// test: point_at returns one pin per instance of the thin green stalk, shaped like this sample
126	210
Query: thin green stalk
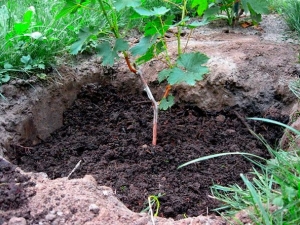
179	28
162	38
113	26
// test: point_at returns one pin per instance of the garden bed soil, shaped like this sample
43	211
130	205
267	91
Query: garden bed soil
111	135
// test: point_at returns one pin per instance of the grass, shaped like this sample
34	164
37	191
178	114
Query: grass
271	194
290	9
33	38
291	13
276	5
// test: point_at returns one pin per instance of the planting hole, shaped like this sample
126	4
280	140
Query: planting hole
111	134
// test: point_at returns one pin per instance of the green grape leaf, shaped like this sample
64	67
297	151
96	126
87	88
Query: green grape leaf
4	78
121	4
147	56
155	26
164	74
121	45
145	43
189	69
180	76
151	53
192	61
167	102
83	35
108	53
154	12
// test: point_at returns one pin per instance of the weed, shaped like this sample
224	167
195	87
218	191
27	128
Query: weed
153	202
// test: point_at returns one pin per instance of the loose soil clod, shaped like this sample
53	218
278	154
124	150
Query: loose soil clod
112	136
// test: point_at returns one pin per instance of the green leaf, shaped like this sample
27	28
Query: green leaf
121	45
109	53
26	59
196	24
255	17
188	70
211	12
70	7
41	66
147	56
192	61
154	50
5	78
154	12
154	26
28	67
121	4
27	17
21	28
83	35
164	74
202	6
8	66
142	47
167	102
258	6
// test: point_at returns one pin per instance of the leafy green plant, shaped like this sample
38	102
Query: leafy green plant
187	68
234	8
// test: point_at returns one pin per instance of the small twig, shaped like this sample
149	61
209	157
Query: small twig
56	70
26	149
243	121
75	168
141	102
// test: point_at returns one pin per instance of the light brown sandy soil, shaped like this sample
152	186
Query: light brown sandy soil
248	67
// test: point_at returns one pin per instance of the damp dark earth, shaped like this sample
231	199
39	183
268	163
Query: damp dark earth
110	134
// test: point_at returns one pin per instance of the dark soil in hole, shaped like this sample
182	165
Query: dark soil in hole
12	189
111	134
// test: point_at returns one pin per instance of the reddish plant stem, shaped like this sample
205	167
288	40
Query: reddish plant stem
168	88
131	68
